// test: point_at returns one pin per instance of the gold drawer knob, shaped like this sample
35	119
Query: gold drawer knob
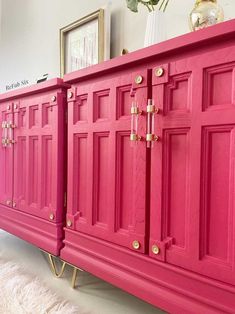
52	216
159	72
69	223
14	204
136	245
139	79
155	249
70	95
53	98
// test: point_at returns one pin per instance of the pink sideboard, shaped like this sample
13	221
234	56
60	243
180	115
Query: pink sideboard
158	222
148	165
32	159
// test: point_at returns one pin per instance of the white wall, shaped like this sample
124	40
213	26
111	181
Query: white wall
29	31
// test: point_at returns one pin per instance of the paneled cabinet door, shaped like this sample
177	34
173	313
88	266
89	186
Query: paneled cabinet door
6	154
36	155
107	171
193	173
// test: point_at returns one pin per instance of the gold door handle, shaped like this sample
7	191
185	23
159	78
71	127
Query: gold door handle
4	133
151	111
11	126
135	113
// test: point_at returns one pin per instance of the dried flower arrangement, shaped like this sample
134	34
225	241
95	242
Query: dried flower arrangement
150	4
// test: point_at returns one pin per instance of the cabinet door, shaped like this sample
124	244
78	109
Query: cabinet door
106	172
6	154
36	153
193	165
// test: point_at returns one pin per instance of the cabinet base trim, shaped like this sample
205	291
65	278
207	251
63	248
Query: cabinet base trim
44	234
159	284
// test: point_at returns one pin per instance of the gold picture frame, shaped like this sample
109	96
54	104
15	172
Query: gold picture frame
73	34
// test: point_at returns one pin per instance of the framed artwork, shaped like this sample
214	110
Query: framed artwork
82	43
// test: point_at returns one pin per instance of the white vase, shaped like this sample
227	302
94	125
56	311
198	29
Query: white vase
155	28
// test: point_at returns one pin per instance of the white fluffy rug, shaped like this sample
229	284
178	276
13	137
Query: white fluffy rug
21	293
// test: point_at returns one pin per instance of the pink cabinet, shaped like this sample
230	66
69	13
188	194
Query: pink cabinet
32	158
155	216
194	205
106	176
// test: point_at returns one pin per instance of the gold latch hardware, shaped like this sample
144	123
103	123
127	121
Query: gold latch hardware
4	142
4	124
152	109
151	138
135	110
135	137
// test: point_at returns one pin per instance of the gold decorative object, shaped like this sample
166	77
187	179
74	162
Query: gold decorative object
124	52
205	13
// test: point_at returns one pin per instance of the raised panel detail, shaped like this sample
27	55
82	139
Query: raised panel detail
33	116
101	173
47	114
178	93
175	187
20	157
217	194
101	105
219	86
80	174
124	181
33	169
80	109
47	164
124	100
21	117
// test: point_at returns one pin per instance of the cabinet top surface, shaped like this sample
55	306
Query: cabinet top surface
34	89
212	35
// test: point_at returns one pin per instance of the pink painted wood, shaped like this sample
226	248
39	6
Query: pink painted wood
37	186
193	203
189	188
106	195
6	155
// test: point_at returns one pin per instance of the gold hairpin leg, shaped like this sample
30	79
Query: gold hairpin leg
74	277
53	266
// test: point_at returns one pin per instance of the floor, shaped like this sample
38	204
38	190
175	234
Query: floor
93	295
